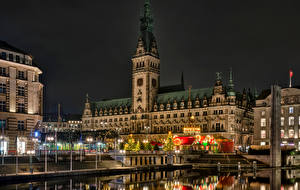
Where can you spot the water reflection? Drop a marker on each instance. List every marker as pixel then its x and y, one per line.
pixel 175 180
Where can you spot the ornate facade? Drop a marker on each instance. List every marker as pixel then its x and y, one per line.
pixel 153 110
pixel 21 99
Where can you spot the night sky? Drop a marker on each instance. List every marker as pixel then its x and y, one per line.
pixel 86 46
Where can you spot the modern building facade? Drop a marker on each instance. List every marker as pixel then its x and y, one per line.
pixel 290 118
pixel 153 110
pixel 21 99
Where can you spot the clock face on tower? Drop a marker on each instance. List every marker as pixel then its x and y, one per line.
pixel 140 82
pixel 154 83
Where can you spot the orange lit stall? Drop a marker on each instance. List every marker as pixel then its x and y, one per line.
pixel 204 143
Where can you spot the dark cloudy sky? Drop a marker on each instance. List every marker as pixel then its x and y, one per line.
pixel 86 45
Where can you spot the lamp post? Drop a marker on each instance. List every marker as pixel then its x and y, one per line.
pixel 56 145
pixel 30 153
pixel 118 131
pixel 89 140
pixel 48 138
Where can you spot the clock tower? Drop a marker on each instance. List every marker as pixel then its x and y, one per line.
pixel 145 66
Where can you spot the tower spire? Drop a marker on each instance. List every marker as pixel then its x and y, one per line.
pixel 231 84
pixel 182 80
pixel 147 18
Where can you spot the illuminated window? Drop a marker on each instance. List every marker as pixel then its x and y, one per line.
pixel 282 133
pixel 21 91
pixel 262 143
pixel 263 122
pixel 282 121
pixel 291 109
pixel 291 121
pixel 291 133
pixel 2 106
pixel 263 113
pixel 263 134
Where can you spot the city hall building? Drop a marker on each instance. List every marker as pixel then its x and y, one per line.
pixel 152 111
pixel 21 98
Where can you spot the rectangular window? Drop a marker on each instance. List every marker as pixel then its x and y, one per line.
pixel 168 115
pixel 116 119
pixel 161 116
pixel 291 133
pixel 3 55
pixel 21 75
pixel 2 124
pixel 2 71
pixel 121 119
pixel 205 113
pixel 263 122
pixel 215 112
pixel 155 116
pixel 189 114
pixel 263 113
pixel 182 115
pixel 2 106
pixel 291 121
pixel 11 57
pixel 175 115
pixel 17 59
pixel 2 88
pixel 21 91
pixel 220 111
pixel 263 134
pixel 262 143
pixel 282 121
pixel 282 133
pixel 110 120
pixel 20 108
pixel 197 113
pixel 291 109
pixel 21 126
pixel 126 119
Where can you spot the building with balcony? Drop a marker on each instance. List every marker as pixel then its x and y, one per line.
pixel 290 118
pixel 21 99
pixel 152 111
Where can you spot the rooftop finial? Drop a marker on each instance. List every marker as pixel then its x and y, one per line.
pixel 87 98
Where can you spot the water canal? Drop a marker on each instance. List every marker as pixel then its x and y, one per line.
pixel 177 180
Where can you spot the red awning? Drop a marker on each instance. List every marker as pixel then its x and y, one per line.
pixel 184 140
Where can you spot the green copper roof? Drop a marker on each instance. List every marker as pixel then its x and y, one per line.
pixel 178 96
pixel 113 103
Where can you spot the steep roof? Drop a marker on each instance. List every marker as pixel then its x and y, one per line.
pixel 8 47
pixel 179 95
pixel 112 103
